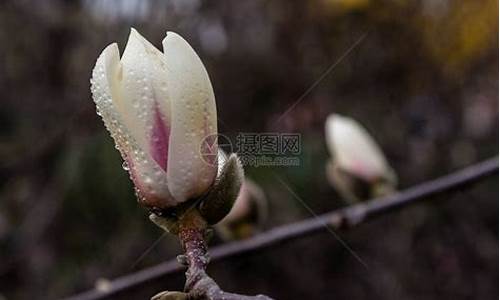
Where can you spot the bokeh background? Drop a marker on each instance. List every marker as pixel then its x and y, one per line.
pixel 424 82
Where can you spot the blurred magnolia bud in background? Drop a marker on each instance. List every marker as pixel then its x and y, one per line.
pixel 358 169
pixel 160 111
pixel 247 215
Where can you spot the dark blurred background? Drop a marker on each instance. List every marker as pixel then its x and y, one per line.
pixel 424 82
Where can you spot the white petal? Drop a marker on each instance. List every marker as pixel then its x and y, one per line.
pixel 193 118
pixel 105 80
pixel 353 149
pixel 146 174
pixel 144 92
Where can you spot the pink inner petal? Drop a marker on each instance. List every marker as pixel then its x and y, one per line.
pixel 159 140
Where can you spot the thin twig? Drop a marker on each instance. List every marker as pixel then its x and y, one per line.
pixel 346 217
pixel 192 234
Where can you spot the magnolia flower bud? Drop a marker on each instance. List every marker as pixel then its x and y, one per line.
pixel 358 169
pixel 248 213
pixel 160 109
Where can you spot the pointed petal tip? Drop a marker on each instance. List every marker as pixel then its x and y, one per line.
pixel 170 32
pixel 134 32
pixel 111 50
pixel 175 40
pixel 172 35
pixel 111 47
pixel 137 44
pixel 134 36
pixel 106 62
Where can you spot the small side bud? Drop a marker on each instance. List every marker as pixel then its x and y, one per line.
pixel 248 215
pixel 219 201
